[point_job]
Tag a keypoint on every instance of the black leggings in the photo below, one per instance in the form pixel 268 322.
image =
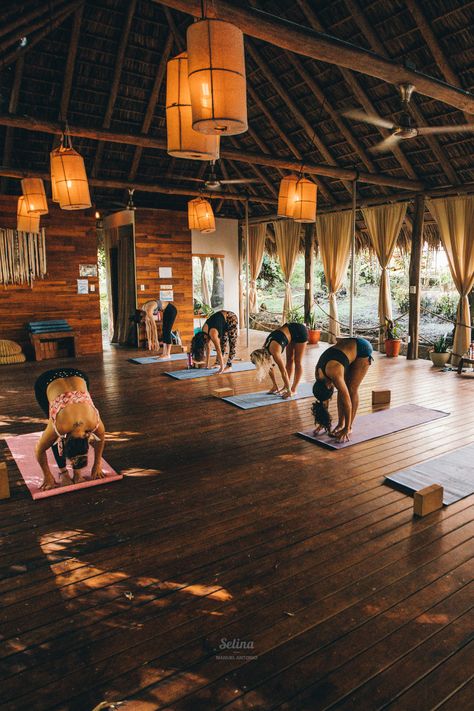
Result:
pixel 41 387
pixel 169 317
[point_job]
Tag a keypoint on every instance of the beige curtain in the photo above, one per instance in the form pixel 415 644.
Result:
pixel 287 239
pixel 334 235
pixel 455 218
pixel 206 297
pixel 220 266
pixel 257 234
pixel 384 224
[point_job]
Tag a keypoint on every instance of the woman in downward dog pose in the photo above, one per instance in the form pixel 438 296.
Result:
pixel 74 421
pixel 168 315
pixel 293 337
pixel 219 330
pixel 342 366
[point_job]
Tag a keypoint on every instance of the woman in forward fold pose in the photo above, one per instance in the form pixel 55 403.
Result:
pixel 74 421
pixel 168 315
pixel 342 366
pixel 293 337
pixel 219 330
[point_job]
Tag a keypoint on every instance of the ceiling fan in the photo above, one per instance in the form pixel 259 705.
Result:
pixel 405 127
pixel 213 183
pixel 129 205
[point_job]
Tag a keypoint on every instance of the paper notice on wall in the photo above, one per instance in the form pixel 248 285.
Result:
pixel 165 272
pixel 87 270
pixel 83 286
pixel 166 286
pixel 166 295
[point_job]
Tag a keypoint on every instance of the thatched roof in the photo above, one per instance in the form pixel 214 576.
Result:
pixel 121 44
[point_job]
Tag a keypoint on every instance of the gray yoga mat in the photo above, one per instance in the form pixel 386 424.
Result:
pixel 378 424
pixel 206 372
pixel 251 400
pixel 453 471
pixel 154 359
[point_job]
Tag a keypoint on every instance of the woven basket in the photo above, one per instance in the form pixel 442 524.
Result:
pixel 9 348
pixel 16 358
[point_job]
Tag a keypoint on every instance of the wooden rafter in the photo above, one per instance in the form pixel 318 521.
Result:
pixel 49 26
pixel 152 102
pixel 71 61
pixel 367 29
pixel 357 90
pixel 12 107
pixel 310 131
pixel 434 46
pixel 300 39
pixel 273 161
pixel 25 25
pixel 142 187
pixel 120 57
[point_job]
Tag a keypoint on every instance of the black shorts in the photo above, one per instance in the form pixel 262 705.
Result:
pixel 298 332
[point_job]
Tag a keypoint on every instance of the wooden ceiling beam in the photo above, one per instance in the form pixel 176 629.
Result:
pixel 12 107
pixel 107 135
pixel 358 91
pixel 70 63
pixel 324 48
pixel 152 102
pixel 49 26
pixel 142 187
pixel 372 37
pixel 24 26
pixel 434 46
pixel 120 58
pixel 311 132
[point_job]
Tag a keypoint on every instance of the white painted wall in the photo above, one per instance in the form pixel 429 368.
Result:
pixel 224 241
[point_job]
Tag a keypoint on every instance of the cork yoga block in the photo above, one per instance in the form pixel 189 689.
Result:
pixel 427 500
pixel 223 392
pixel 381 397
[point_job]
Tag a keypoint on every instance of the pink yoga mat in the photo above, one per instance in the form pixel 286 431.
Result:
pixel 378 424
pixel 22 448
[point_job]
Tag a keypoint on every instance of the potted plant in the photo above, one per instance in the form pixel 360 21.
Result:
pixel 392 340
pixel 295 315
pixel 440 354
pixel 314 333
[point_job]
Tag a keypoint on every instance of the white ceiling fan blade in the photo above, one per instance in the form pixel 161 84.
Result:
pixel 430 130
pixel 388 144
pixel 240 181
pixel 373 119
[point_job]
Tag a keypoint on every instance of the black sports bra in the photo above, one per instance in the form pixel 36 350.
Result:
pixel 277 336
pixel 332 353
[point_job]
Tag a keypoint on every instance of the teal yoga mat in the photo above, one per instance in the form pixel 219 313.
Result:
pixel 249 401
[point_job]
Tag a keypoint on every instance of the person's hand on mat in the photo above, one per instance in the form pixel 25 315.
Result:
pixel 342 435
pixel 98 474
pixel 285 393
pixel 274 391
pixel 64 478
pixel 48 482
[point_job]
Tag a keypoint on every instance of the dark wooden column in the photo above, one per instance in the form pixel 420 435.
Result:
pixel 308 270
pixel 415 278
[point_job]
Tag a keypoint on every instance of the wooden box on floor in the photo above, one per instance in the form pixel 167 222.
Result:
pixel 427 500
pixel 381 397
pixel 4 485
pixel 223 392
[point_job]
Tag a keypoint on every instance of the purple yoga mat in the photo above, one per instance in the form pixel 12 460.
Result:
pixel 378 424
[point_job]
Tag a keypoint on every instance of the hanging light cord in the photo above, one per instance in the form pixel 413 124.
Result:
pixel 312 139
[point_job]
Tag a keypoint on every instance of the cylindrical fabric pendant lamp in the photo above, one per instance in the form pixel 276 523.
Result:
pixel 183 140
pixel 70 179
pixel 35 196
pixel 305 201
pixel 26 222
pixel 286 196
pixel 54 192
pixel 217 77
pixel 201 215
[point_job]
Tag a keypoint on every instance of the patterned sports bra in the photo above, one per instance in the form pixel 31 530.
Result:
pixel 71 398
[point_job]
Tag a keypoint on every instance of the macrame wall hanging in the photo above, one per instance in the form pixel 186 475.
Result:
pixel 22 256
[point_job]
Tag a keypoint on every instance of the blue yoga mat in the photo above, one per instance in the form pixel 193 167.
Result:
pixel 206 372
pixel 251 400
pixel 154 359
pixel 453 471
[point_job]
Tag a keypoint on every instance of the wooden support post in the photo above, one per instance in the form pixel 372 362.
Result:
pixel 308 270
pixel 415 278
pixel 4 485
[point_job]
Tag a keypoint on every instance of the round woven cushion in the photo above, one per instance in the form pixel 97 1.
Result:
pixel 17 358
pixel 9 348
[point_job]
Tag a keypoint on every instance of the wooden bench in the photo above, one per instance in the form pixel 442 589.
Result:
pixel 465 360
pixel 53 339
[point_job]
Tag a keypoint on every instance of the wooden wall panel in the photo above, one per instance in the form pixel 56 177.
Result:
pixel 162 239
pixel 70 240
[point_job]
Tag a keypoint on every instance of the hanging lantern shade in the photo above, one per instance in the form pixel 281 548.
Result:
pixel 26 222
pixel 35 197
pixel 286 196
pixel 69 176
pixel 201 216
pixel 305 201
pixel 54 192
pixel 183 140
pixel 217 77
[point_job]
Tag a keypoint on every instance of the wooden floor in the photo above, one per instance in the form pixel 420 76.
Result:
pixel 228 527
